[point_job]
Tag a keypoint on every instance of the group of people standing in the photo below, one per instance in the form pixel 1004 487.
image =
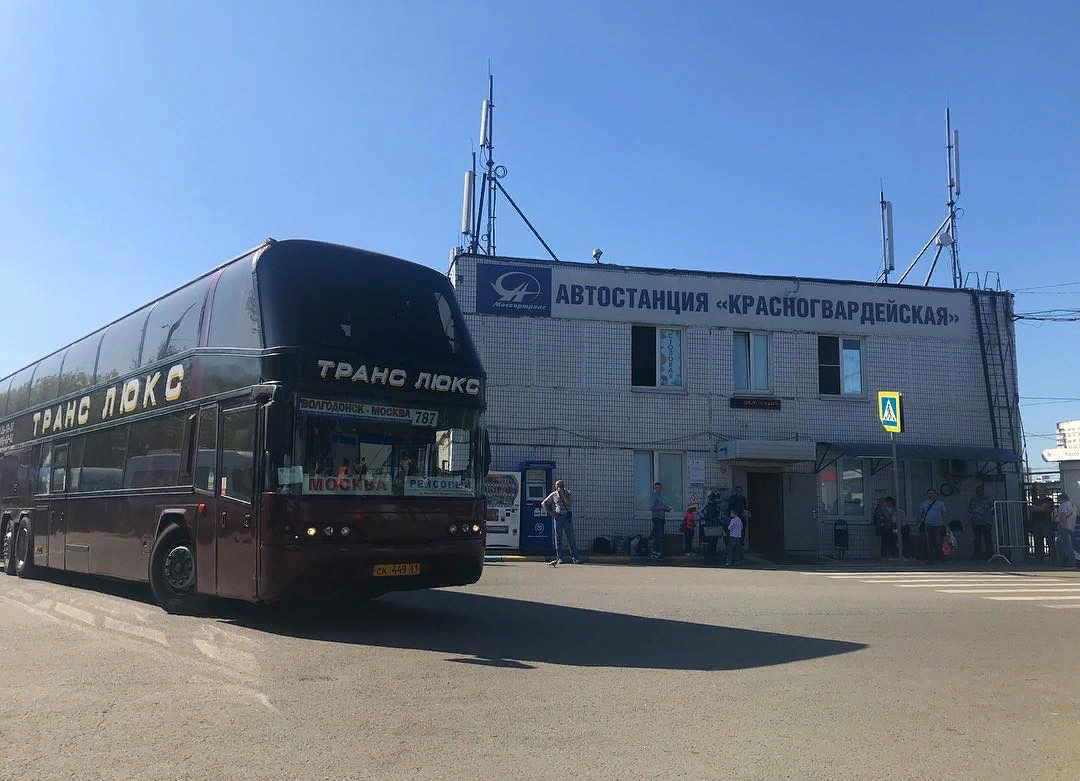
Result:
pixel 932 528
pixel 560 502
pixel 932 539
pixel 1046 524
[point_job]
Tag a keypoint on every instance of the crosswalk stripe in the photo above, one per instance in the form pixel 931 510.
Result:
pixel 1008 590
pixel 973 583
pixel 906 575
pixel 1030 598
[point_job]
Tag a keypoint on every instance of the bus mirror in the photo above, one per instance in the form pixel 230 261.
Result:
pixel 263 394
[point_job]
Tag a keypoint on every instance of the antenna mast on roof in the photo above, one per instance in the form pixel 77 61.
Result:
pixel 888 257
pixel 945 235
pixel 478 221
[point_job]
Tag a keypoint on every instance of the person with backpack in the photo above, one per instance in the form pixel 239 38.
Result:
pixel 558 504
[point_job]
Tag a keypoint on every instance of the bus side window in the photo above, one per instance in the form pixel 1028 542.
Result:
pixel 238 453
pixel 187 453
pixel 206 452
pixel 44 472
pixel 75 459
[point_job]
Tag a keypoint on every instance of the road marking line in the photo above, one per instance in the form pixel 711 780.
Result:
pixel 1029 599
pixel 73 612
pixel 909 575
pixel 973 583
pixel 137 631
pixel 1007 590
pixel 47 616
pixel 239 661
pixel 1061 606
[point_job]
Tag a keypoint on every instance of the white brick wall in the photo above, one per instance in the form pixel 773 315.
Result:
pixel 560 390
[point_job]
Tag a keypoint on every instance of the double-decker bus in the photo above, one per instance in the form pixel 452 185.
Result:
pixel 304 419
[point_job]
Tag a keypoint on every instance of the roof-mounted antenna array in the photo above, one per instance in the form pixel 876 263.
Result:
pixel 478 220
pixel 945 236
pixel 888 256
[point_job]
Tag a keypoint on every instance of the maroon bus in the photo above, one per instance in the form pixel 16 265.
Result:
pixel 304 419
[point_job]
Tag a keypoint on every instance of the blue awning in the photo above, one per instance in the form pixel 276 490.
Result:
pixel 835 450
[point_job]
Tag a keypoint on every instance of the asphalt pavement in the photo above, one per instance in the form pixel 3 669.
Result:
pixel 595 672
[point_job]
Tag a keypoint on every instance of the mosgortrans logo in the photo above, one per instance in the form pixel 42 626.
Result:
pixel 514 291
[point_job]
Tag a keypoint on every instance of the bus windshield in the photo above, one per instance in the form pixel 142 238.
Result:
pixel 364 448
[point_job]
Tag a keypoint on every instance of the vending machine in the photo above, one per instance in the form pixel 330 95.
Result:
pixel 536 530
pixel 502 490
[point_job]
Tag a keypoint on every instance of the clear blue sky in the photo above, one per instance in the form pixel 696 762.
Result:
pixel 141 143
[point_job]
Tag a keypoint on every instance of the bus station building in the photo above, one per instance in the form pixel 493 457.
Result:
pixel 704 381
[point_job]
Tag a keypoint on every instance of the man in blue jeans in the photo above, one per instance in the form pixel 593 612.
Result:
pixel 559 504
pixel 933 514
pixel 658 509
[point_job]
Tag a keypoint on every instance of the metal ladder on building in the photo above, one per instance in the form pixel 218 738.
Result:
pixel 993 310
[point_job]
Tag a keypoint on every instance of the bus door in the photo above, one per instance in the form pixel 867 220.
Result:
pixel 234 506
pixel 55 471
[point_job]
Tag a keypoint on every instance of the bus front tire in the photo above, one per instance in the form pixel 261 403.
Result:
pixel 24 549
pixel 172 570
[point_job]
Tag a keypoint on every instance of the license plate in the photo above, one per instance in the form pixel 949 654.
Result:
pixel 395 570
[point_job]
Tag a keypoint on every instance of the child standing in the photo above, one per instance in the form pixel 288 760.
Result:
pixel 689 523
pixel 735 539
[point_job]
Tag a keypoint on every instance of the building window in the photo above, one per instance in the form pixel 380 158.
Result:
pixel 750 361
pixel 839 366
pixel 651 467
pixel 841 489
pixel 656 357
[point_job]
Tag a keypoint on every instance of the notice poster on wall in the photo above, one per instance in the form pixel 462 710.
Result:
pixel 695 465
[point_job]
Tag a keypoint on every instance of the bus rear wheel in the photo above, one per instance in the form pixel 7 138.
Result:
pixel 24 549
pixel 172 570
pixel 7 545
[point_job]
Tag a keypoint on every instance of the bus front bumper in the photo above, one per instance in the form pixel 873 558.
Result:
pixel 317 570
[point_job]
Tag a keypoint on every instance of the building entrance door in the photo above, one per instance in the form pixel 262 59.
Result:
pixel 765 498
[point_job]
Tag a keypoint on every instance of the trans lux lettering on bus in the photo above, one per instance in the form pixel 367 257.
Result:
pixel 74 414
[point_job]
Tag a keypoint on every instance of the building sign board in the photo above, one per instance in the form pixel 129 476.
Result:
pixel 579 292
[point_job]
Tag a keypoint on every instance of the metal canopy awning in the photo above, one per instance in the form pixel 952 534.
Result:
pixel 837 450
pixel 776 450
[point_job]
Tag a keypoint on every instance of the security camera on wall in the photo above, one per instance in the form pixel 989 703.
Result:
pixel 596 253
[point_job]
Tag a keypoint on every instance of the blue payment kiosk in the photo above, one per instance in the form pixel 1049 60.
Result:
pixel 537 482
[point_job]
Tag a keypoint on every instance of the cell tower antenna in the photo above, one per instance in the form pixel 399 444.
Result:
pixel 888 256
pixel 945 237
pixel 478 219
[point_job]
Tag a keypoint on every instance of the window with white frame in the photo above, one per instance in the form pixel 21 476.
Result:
pixel 652 466
pixel 656 357
pixel 750 361
pixel 839 366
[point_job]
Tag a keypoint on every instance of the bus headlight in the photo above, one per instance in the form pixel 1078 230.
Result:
pixel 345 531
pixel 328 531
pixel 476 528
pixel 453 528
pixel 312 531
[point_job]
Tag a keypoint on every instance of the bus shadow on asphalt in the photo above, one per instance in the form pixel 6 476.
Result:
pixel 512 633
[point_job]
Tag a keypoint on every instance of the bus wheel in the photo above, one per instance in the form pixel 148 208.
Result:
pixel 24 550
pixel 7 546
pixel 172 570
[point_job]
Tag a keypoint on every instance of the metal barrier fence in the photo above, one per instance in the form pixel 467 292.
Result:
pixel 1010 536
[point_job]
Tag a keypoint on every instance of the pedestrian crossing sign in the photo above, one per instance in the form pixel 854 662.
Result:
pixel 890 411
